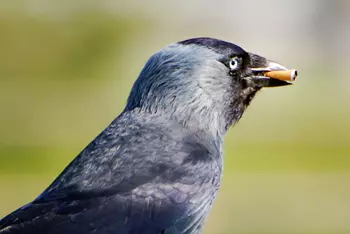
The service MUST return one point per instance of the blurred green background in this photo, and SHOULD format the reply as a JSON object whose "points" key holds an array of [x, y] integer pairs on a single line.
{"points": [[66, 68]]}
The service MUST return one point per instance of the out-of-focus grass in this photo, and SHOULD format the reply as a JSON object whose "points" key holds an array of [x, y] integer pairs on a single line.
{"points": [[54, 70], [288, 157], [298, 203], [61, 49]]}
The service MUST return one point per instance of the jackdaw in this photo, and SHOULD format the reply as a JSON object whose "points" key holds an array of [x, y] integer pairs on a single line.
{"points": [[157, 167]]}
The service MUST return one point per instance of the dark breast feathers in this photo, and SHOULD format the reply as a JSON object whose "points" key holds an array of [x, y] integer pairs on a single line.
{"points": [[135, 177]]}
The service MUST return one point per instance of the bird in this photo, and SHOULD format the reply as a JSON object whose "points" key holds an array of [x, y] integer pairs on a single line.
{"points": [[156, 169]]}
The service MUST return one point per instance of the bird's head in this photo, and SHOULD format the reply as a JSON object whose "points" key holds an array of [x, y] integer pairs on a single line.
{"points": [[205, 84]]}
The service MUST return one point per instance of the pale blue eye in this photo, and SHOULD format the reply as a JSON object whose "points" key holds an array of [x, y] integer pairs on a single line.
{"points": [[234, 64]]}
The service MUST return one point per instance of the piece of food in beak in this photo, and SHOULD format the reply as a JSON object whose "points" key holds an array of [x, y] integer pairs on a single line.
{"points": [[285, 75]]}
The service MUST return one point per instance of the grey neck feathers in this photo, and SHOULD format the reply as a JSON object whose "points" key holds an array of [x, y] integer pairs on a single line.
{"points": [[182, 84]]}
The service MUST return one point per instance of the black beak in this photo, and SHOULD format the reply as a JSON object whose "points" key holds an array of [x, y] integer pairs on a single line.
{"points": [[265, 73], [268, 82]]}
